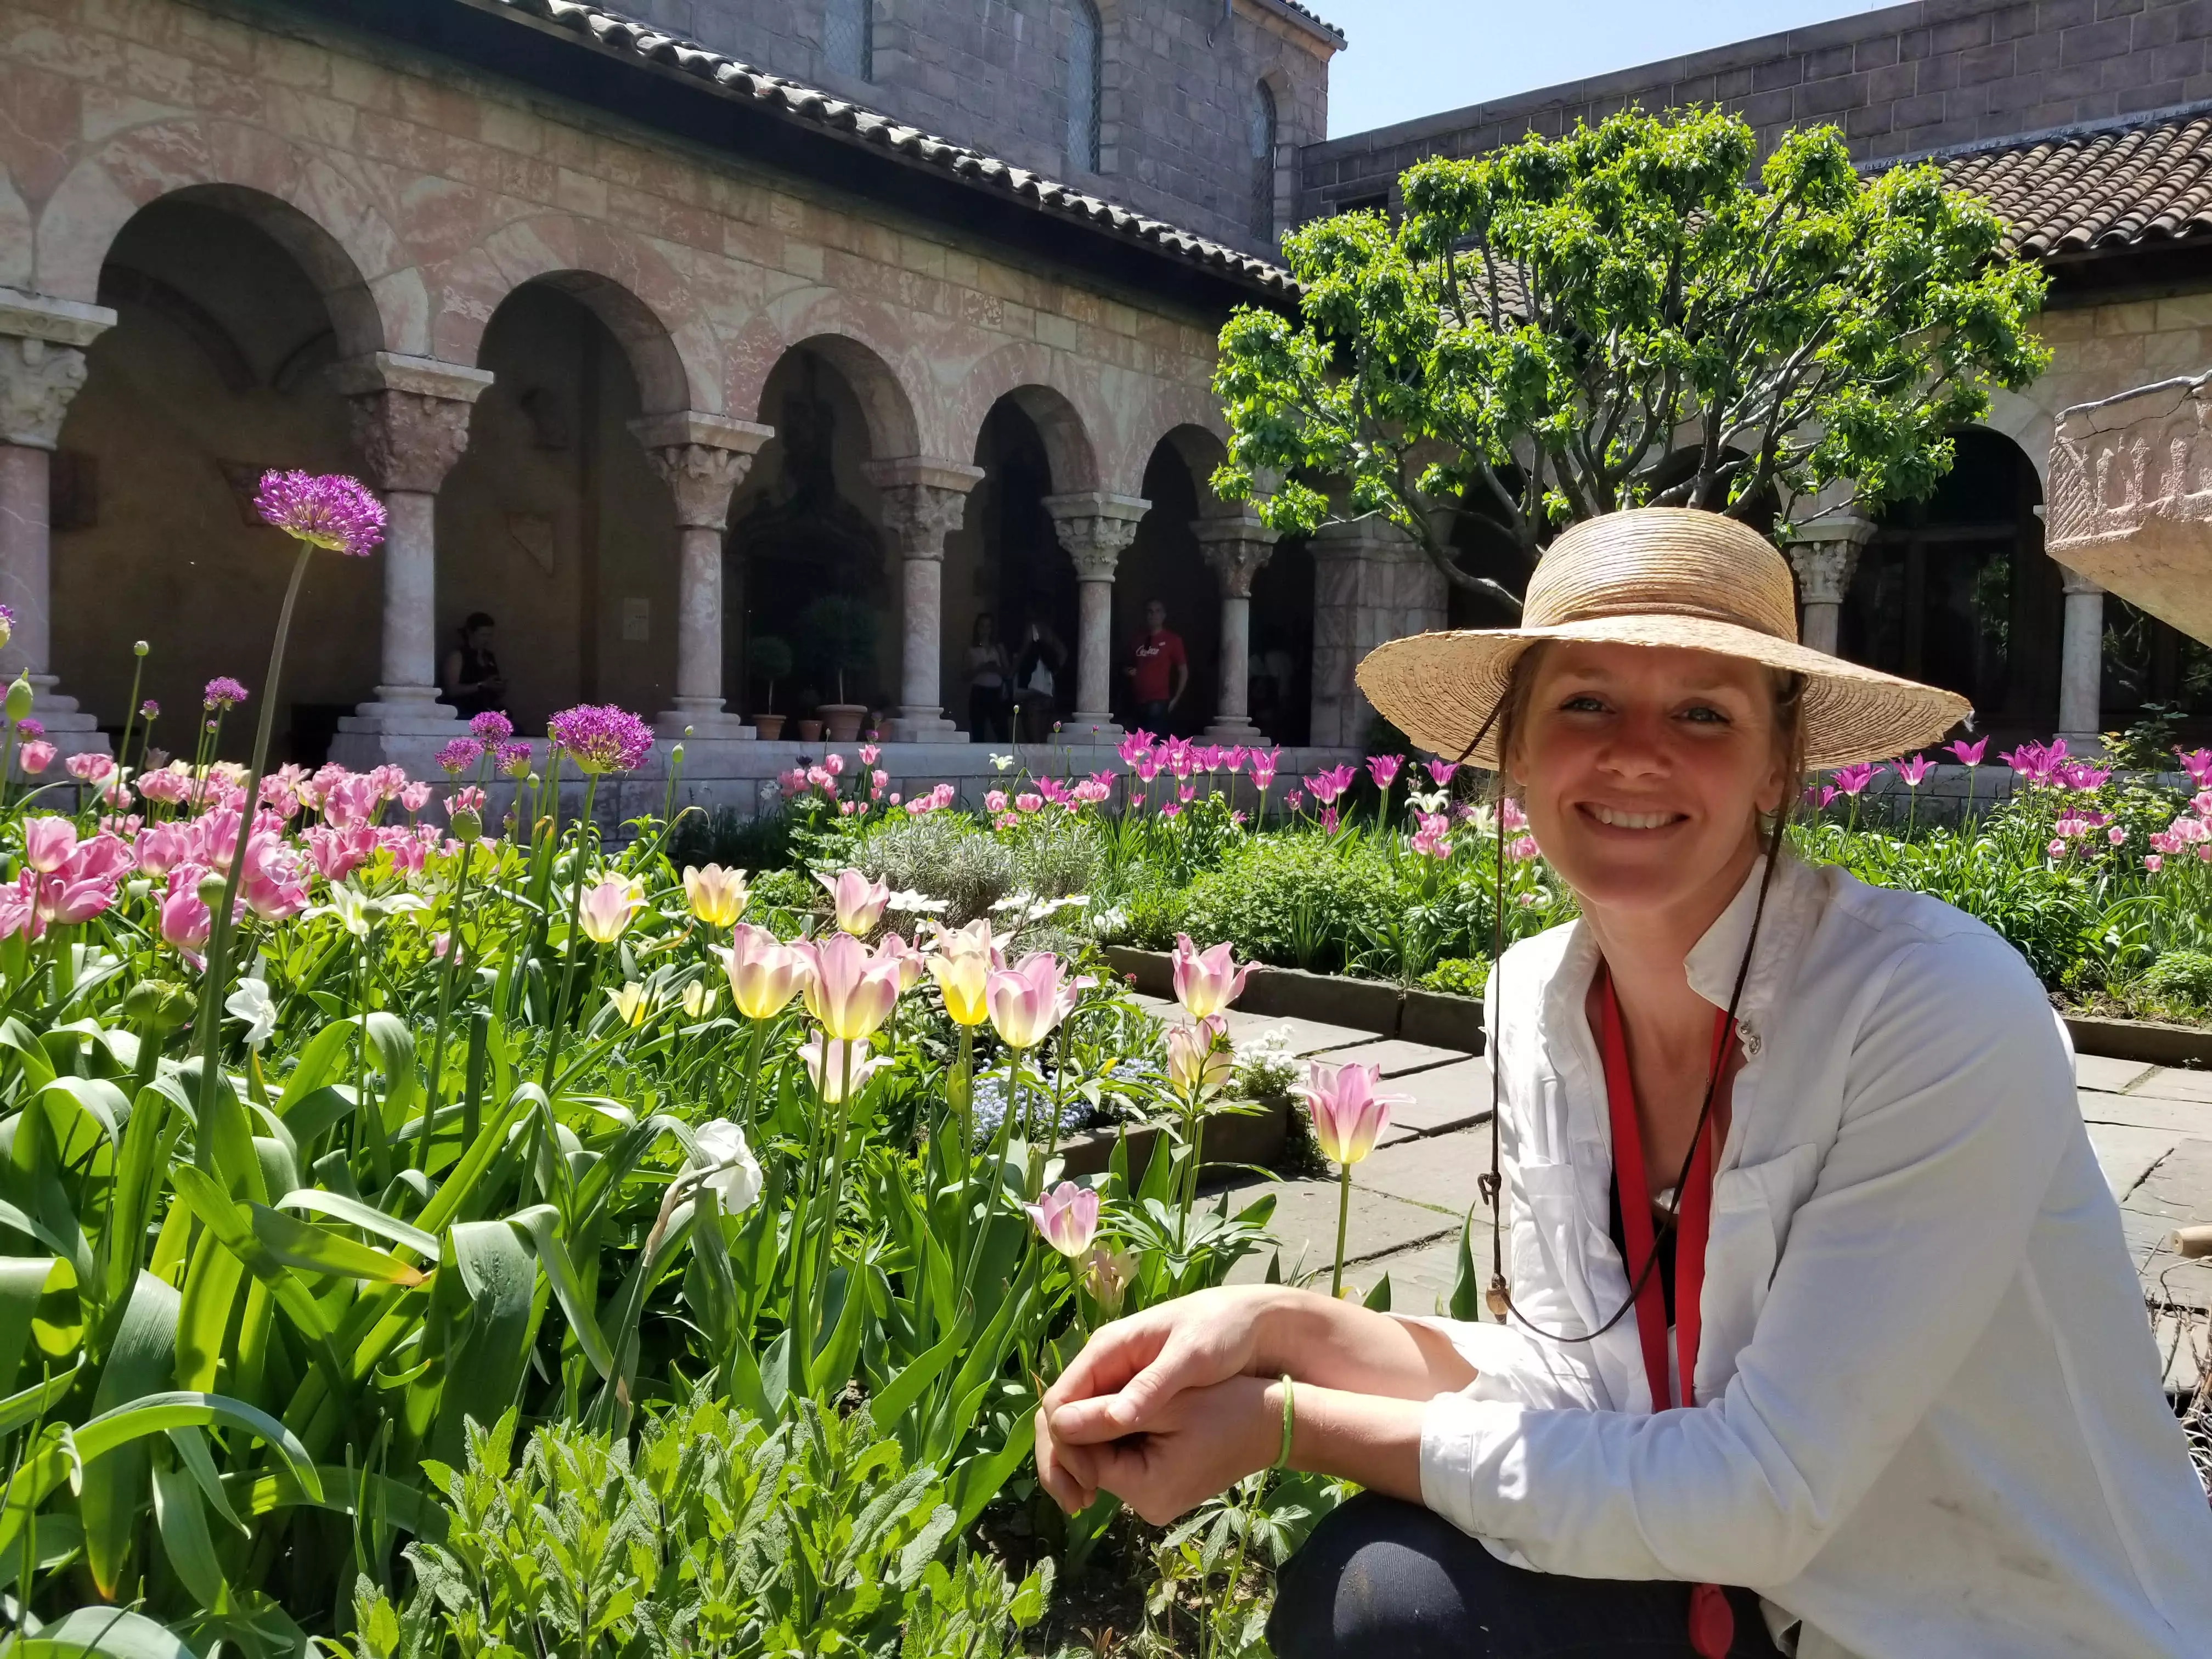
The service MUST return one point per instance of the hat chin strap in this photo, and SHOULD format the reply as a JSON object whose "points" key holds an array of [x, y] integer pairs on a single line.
{"points": [[1499, 1296]]}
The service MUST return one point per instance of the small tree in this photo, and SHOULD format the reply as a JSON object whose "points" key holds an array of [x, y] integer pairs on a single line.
{"points": [[771, 661], [837, 633], [1621, 317]]}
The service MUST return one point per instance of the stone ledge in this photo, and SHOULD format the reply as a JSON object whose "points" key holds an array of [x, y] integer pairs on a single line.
{"points": [[1366, 1005]]}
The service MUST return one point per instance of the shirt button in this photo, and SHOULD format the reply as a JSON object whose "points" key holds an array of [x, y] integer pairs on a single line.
{"points": [[1752, 1045]]}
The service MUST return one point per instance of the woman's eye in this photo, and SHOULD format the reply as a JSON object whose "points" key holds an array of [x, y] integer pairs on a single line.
{"points": [[1705, 715], [1584, 704]]}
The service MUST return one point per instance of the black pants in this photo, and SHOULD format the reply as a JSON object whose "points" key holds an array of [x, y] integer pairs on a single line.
{"points": [[1383, 1577]]}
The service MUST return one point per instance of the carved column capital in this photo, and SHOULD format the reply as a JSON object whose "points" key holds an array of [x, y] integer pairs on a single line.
{"points": [[38, 378], [2072, 581], [924, 500], [1095, 528], [1825, 553], [1236, 548], [702, 459], [410, 415]]}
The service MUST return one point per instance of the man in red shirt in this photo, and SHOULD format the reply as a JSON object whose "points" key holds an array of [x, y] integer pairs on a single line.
{"points": [[1160, 671]]}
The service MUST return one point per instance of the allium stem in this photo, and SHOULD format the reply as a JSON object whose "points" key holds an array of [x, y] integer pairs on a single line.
{"points": [[445, 1003], [214, 981], [129, 717]]}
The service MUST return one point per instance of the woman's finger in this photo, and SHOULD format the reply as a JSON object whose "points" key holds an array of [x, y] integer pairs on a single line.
{"points": [[1060, 1484], [1134, 1407], [1113, 1354]]}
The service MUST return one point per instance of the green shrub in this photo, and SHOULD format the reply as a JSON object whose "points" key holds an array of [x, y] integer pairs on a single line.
{"points": [[2182, 978], [945, 855], [1299, 901], [722, 836], [718, 1536], [1057, 856], [1459, 976]]}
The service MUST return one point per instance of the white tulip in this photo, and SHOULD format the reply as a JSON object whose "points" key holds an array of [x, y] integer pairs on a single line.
{"points": [[737, 1172]]}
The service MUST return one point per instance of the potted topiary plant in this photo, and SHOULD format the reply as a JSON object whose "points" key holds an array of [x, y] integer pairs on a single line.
{"points": [[839, 636], [771, 661]]}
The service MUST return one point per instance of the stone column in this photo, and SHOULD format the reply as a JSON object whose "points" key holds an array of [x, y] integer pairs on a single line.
{"points": [[703, 459], [1372, 582], [1236, 548], [1095, 528], [924, 502], [410, 422], [2081, 665], [1825, 552], [42, 344]]}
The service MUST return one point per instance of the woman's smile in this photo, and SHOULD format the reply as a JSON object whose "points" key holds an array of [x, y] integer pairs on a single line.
{"points": [[1620, 817]]}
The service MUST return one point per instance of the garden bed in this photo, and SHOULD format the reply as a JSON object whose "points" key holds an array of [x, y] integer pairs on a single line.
{"points": [[1365, 1005], [1255, 1138]]}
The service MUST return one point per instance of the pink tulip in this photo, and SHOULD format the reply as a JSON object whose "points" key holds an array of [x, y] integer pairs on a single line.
{"points": [[47, 843], [273, 884], [1025, 1001], [1347, 1113], [850, 991], [764, 973], [19, 907], [1383, 768], [1199, 1061], [1441, 771], [1206, 982], [604, 910], [162, 848], [911, 963], [837, 1069], [1969, 753], [89, 768], [35, 756], [1263, 769], [1066, 1218], [105, 858], [186, 918], [1914, 771], [1850, 779], [860, 901]]}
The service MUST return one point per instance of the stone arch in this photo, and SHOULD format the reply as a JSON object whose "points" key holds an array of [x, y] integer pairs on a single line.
{"points": [[1201, 450], [339, 236], [1185, 416], [873, 347], [624, 279], [2027, 423], [1027, 373]]}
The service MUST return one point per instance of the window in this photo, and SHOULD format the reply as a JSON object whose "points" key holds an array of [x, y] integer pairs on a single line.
{"points": [[1083, 54], [848, 29], [1263, 162]]}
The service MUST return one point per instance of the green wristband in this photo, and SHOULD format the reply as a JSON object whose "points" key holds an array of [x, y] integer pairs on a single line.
{"points": [[1290, 1416]]}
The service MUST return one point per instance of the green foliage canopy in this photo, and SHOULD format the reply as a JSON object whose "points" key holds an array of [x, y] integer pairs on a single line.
{"points": [[1620, 317]]}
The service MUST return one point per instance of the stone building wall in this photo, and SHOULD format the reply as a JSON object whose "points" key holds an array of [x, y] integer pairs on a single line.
{"points": [[1901, 81], [1177, 86], [444, 248]]}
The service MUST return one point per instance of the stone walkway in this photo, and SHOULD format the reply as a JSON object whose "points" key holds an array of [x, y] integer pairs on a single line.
{"points": [[2151, 1127]]}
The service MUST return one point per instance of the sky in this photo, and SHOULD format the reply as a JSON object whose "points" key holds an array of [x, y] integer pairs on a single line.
{"points": [[1411, 57]]}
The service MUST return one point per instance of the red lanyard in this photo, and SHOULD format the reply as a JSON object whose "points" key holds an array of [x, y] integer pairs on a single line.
{"points": [[1712, 1623]]}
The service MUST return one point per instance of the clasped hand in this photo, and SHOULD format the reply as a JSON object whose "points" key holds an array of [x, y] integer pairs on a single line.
{"points": [[1163, 1409]]}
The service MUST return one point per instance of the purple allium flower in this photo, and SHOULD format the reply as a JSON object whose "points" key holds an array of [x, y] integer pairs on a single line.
{"points": [[457, 756], [514, 759], [324, 509], [601, 738], [492, 727], [30, 729], [222, 692], [150, 710]]}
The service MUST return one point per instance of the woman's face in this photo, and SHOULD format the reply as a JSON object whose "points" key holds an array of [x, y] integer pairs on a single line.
{"points": [[1643, 769]]}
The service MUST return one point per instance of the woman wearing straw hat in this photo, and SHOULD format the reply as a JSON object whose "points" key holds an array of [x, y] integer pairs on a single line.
{"points": [[1820, 1335]]}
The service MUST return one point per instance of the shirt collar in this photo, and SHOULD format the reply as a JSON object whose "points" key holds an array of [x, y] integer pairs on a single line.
{"points": [[1716, 959]]}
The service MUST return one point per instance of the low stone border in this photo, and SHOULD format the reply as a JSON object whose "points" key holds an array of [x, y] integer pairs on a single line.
{"points": [[2149, 1042], [1365, 1005], [1224, 1138]]}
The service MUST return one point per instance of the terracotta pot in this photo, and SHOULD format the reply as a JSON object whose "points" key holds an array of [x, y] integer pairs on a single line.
{"points": [[843, 719], [810, 731], [769, 727]]}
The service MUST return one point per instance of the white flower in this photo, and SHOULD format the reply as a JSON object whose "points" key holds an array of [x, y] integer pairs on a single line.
{"points": [[358, 912], [250, 1003], [1002, 761], [1025, 903], [737, 1172], [920, 903], [1110, 925]]}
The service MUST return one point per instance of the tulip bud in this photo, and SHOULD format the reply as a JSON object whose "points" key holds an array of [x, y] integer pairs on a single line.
{"points": [[19, 699]]}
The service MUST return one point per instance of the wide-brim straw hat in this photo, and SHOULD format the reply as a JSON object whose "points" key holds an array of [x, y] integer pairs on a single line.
{"points": [[1658, 576]]}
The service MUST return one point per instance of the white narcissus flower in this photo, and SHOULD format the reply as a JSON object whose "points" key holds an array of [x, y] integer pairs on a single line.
{"points": [[737, 1172], [250, 1002]]}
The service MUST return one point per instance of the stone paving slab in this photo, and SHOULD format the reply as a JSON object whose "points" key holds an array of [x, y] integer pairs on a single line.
{"points": [[2098, 1072], [1305, 1036], [1440, 1172], [1396, 1056], [2127, 1152], [2176, 1192], [2171, 1082], [1449, 1098], [1305, 1223], [2184, 1117]]}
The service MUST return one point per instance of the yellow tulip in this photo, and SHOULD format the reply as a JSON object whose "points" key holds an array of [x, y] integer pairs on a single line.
{"points": [[717, 896], [633, 1004]]}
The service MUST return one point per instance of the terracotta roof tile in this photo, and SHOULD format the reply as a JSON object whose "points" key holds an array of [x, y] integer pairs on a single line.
{"points": [[812, 105], [2096, 192]]}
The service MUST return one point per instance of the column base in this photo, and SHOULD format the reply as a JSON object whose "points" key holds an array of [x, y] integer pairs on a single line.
{"points": [[1234, 730], [71, 730], [403, 711], [710, 723], [2083, 746], [1087, 728], [912, 725]]}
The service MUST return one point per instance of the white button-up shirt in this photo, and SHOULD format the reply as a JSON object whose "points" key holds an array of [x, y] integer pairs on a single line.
{"points": [[1930, 1424]]}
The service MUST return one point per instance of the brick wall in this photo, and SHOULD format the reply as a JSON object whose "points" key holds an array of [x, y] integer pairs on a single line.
{"points": [[1899, 81], [1175, 116]]}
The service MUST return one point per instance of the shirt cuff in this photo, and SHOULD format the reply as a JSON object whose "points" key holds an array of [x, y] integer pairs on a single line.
{"points": [[1468, 1460]]}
